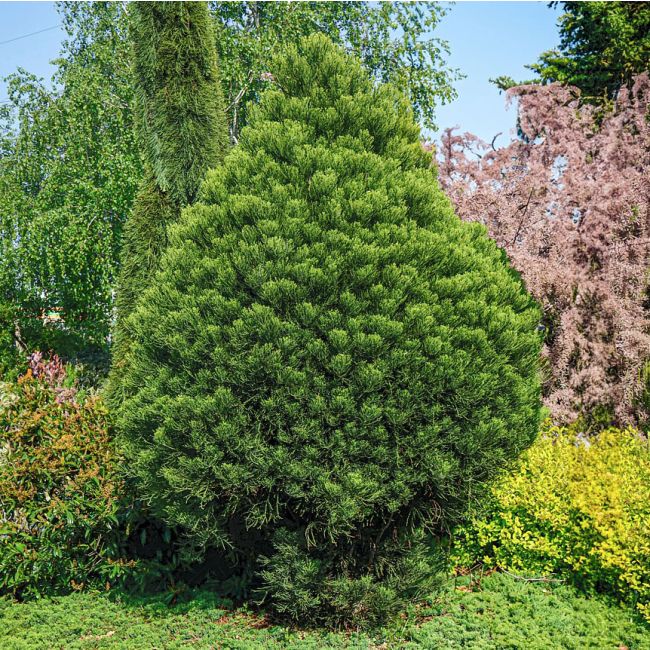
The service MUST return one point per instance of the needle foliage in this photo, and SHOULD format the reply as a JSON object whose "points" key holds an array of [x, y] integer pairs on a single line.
{"points": [[181, 128], [328, 360]]}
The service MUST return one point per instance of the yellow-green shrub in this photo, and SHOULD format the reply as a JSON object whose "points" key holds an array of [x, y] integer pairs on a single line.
{"points": [[576, 507]]}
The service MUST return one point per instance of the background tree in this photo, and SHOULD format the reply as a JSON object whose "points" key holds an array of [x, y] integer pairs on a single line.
{"points": [[328, 359], [68, 173], [603, 45], [569, 202], [393, 40], [182, 129], [179, 105], [70, 167]]}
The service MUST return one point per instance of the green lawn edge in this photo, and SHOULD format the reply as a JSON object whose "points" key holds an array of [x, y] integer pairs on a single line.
{"points": [[502, 612]]}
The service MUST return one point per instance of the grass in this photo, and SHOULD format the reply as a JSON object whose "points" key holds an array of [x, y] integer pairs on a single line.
{"points": [[503, 613]]}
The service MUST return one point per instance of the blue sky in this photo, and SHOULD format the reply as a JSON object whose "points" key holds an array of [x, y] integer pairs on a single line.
{"points": [[32, 53], [487, 39]]}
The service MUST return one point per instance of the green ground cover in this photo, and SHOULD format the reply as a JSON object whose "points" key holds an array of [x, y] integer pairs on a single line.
{"points": [[503, 613]]}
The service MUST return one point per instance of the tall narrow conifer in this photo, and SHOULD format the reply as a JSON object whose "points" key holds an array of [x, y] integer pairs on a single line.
{"points": [[181, 127]]}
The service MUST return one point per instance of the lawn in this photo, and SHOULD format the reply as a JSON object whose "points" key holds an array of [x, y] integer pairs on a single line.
{"points": [[503, 613]]}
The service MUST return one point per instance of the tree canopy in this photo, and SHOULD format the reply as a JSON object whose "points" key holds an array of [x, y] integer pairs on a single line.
{"points": [[571, 208], [603, 45], [70, 166], [69, 170], [395, 41]]}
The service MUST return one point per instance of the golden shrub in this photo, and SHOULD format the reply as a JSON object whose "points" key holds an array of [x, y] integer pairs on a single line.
{"points": [[577, 507]]}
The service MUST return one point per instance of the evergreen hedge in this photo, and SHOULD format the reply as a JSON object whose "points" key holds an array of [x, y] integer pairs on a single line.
{"points": [[328, 361]]}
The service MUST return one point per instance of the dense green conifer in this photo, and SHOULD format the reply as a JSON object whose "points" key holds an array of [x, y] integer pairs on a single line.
{"points": [[181, 127], [328, 360], [179, 105]]}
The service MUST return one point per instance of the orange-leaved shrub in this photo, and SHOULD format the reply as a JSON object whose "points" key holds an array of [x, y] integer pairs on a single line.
{"points": [[60, 492]]}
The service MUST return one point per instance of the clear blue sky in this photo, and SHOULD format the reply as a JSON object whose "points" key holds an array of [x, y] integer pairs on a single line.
{"points": [[487, 39], [35, 52]]}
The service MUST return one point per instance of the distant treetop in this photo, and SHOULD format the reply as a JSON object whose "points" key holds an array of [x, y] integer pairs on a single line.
{"points": [[603, 45], [395, 41]]}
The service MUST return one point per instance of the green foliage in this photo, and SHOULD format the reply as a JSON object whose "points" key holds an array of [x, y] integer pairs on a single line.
{"points": [[603, 45], [501, 613], [59, 489], [70, 167], [183, 132], [575, 507], [297, 584], [9, 350], [393, 40], [144, 240], [179, 105], [68, 173], [327, 348]]}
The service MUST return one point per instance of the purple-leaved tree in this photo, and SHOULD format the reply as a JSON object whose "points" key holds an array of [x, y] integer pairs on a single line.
{"points": [[569, 202]]}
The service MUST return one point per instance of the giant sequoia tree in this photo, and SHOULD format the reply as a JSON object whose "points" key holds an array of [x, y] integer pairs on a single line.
{"points": [[328, 358], [181, 127]]}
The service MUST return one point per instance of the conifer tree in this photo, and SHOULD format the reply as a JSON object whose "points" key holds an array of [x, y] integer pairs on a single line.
{"points": [[181, 128], [328, 361]]}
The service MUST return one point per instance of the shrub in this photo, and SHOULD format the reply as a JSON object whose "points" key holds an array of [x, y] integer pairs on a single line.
{"points": [[59, 490], [327, 351], [576, 507]]}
